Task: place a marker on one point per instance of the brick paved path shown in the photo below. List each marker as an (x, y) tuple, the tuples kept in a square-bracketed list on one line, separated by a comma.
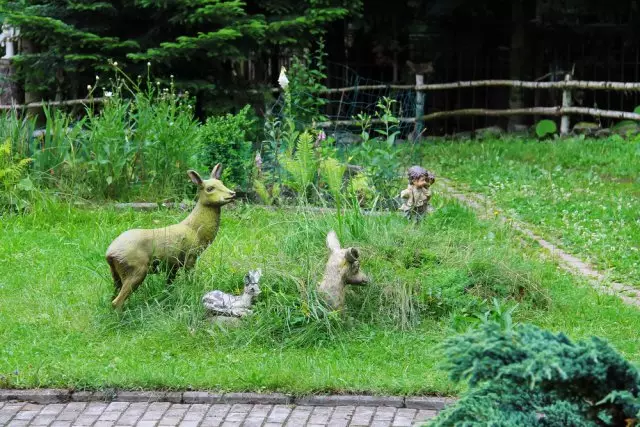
[(102, 414)]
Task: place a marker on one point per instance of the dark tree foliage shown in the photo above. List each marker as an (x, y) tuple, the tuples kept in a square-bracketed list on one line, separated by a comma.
[(526, 376), (198, 41)]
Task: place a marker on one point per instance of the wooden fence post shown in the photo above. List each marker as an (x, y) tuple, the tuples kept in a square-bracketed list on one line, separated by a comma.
[(419, 108), (566, 102)]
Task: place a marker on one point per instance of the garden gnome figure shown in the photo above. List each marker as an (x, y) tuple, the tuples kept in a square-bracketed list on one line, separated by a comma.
[(8, 36), (417, 194)]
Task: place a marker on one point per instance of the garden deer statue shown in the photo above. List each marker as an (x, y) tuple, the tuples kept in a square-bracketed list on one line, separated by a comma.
[(136, 252), (343, 268)]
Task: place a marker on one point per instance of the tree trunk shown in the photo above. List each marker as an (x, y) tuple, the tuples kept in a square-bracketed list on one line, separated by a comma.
[(517, 60)]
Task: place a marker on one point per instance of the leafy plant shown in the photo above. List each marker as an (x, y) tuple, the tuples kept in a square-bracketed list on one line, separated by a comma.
[(306, 77), (12, 169), (523, 375), (301, 165), (378, 155), (268, 193), (225, 141), (332, 172), (545, 128)]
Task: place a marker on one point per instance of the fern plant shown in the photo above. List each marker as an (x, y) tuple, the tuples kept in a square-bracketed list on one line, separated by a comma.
[(332, 173), (11, 171), (301, 165)]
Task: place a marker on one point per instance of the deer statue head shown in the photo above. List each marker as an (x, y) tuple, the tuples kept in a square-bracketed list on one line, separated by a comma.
[(212, 192)]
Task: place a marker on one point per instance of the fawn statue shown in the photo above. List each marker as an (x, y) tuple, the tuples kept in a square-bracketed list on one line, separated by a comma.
[(342, 268), (224, 304), (137, 252)]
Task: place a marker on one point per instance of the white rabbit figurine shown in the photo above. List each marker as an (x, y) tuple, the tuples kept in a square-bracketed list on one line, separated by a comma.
[(224, 304)]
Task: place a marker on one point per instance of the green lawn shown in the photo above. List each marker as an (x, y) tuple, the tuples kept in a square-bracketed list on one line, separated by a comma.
[(583, 194), (57, 328)]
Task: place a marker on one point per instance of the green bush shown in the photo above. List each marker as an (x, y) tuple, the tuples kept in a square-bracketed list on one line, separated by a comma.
[(225, 141), (523, 375), (545, 128)]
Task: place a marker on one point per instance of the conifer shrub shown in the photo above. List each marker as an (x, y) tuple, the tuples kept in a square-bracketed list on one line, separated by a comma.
[(526, 376)]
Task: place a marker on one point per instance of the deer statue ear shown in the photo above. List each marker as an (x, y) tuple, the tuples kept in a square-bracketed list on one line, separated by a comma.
[(217, 171), (352, 255), (332, 241), (195, 178)]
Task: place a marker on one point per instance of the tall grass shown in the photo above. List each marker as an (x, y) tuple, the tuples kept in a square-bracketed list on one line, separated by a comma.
[(137, 145)]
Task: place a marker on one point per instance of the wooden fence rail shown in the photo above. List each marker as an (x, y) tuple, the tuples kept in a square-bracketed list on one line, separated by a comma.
[(563, 111), (543, 111)]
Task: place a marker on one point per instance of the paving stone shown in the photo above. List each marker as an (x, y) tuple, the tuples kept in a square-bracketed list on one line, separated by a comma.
[(384, 414), (320, 415), (231, 424), (53, 409), (341, 416), (299, 416), (95, 408), (43, 420), (82, 396), (110, 416), (253, 422), (426, 414), (219, 410), (18, 423), (258, 398), (141, 396), (43, 396), (212, 421), (117, 406), (26, 415), (146, 424), (404, 417), (362, 415), (196, 412), (85, 420), (275, 425), (432, 403), (279, 414), (348, 400), (184, 423), (61, 423), (104, 423), (381, 423), (201, 397)]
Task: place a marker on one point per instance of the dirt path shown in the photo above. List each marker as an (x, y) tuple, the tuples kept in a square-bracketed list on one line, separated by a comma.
[(486, 209)]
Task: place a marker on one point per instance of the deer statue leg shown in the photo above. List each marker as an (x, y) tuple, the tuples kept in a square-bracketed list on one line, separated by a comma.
[(117, 281), (130, 282)]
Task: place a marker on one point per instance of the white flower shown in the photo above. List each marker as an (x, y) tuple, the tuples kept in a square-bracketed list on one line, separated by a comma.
[(171, 76), (108, 94), (88, 87), (283, 81), (97, 77), (148, 64), (115, 64)]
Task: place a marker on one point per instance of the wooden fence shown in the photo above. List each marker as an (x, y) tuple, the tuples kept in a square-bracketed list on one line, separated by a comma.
[(563, 111)]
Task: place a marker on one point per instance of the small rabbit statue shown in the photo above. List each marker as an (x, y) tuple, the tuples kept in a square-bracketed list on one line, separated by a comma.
[(224, 304)]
